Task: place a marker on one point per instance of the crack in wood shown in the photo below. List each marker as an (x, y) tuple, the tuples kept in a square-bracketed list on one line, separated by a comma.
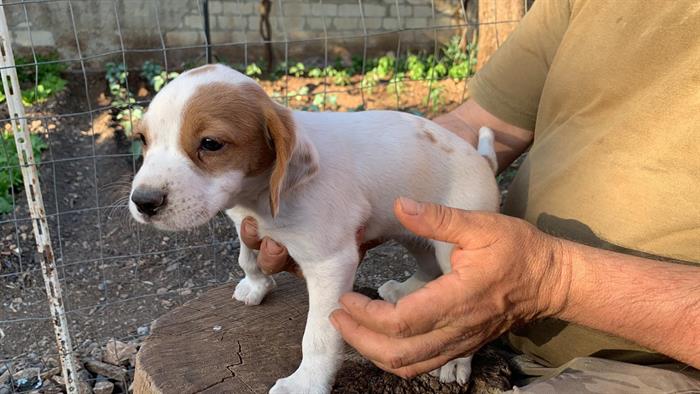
[(231, 371)]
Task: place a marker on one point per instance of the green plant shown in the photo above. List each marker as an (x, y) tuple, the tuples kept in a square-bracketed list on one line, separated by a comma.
[(48, 86), (435, 99), (128, 112), (10, 172), (253, 70), (154, 74), (396, 84), (452, 52), (370, 81), (436, 71), (386, 66), (338, 77), (460, 63), (415, 68), (297, 70), (315, 72), (29, 71), (39, 80), (116, 78), (323, 100)]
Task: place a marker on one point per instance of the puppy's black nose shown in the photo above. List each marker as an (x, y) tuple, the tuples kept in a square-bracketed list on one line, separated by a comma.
[(149, 201)]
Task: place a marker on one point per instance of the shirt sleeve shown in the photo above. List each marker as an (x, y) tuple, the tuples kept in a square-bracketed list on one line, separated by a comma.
[(510, 84)]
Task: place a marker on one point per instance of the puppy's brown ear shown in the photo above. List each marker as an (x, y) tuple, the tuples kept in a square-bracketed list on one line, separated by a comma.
[(280, 131)]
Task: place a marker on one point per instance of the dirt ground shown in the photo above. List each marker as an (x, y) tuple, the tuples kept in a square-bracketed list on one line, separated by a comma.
[(118, 276)]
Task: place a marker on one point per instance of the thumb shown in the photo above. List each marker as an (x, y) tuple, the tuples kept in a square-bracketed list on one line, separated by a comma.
[(437, 222)]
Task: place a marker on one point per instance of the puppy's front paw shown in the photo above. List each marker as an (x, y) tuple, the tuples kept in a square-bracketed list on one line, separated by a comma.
[(297, 384), (457, 370), (252, 292), (391, 291)]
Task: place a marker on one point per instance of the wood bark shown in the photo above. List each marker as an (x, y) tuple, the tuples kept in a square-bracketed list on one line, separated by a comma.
[(215, 344), (497, 19)]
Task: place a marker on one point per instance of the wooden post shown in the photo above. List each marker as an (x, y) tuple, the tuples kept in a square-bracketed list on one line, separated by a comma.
[(497, 19)]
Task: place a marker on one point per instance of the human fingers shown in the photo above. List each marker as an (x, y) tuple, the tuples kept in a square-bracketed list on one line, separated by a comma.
[(443, 223), (249, 233), (417, 313), (392, 352), (273, 257)]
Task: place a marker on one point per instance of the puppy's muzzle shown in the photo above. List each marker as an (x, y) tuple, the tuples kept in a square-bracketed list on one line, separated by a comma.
[(149, 201)]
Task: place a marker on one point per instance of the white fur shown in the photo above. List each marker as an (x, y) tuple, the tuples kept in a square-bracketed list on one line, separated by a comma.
[(365, 161)]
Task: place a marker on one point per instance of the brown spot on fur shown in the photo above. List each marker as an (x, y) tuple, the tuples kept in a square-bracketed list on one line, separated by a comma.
[(201, 70), (446, 149), (426, 134), (244, 119)]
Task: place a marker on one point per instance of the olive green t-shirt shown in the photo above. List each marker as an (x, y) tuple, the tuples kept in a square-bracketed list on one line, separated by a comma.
[(612, 92)]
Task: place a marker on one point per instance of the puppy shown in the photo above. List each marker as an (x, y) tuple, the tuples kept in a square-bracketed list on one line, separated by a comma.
[(213, 140)]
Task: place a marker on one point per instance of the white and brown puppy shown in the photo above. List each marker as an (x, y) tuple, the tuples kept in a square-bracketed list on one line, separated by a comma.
[(213, 140)]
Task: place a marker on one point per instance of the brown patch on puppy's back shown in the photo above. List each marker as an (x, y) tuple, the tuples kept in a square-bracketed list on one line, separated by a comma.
[(428, 135), (235, 116)]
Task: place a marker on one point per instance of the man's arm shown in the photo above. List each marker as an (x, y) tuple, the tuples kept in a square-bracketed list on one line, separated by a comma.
[(506, 272), (465, 121), (653, 303)]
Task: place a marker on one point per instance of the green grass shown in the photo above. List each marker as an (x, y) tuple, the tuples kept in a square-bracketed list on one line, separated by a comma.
[(10, 172), (38, 82)]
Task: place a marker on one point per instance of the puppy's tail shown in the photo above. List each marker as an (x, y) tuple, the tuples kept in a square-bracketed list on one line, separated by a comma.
[(486, 149)]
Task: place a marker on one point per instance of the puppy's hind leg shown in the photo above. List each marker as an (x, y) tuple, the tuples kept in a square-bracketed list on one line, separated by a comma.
[(255, 285), (428, 269), (460, 368)]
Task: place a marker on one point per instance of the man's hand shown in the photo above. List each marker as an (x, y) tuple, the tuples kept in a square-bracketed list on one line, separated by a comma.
[(274, 258), (504, 272)]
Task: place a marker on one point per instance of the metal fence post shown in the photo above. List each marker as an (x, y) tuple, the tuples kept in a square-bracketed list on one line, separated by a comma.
[(30, 175)]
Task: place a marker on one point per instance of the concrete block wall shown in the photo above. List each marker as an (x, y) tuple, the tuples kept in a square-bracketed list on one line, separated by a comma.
[(97, 30)]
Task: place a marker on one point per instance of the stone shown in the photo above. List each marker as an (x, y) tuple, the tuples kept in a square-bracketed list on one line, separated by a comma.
[(108, 370), (215, 7), (229, 22), (143, 330), (118, 352), (182, 38), (324, 10), (103, 387), (403, 11), (349, 10), (373, 23), (194, 21), (416, 23), (390, 23), (346, 23), (422, 11), (373, 10), (26, 378), (296, 9)]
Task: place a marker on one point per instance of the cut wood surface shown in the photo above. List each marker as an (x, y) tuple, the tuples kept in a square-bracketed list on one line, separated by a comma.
[(215, 344)]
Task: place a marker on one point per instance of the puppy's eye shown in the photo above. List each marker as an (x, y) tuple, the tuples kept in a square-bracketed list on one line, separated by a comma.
[(210, 144)]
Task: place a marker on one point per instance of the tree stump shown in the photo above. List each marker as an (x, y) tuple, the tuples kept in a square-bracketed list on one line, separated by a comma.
[(216, 344)]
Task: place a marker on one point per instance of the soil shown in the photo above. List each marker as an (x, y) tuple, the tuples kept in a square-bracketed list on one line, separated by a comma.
[(118, 276)]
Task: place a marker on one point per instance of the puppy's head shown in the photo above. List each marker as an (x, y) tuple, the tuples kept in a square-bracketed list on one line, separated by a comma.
[(204, 134)]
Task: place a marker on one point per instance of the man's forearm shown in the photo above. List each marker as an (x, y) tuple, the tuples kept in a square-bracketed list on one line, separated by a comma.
[(465, 121), (652, 303)]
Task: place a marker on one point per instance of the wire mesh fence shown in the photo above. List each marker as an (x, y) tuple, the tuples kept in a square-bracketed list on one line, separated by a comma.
[(117, 276)]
